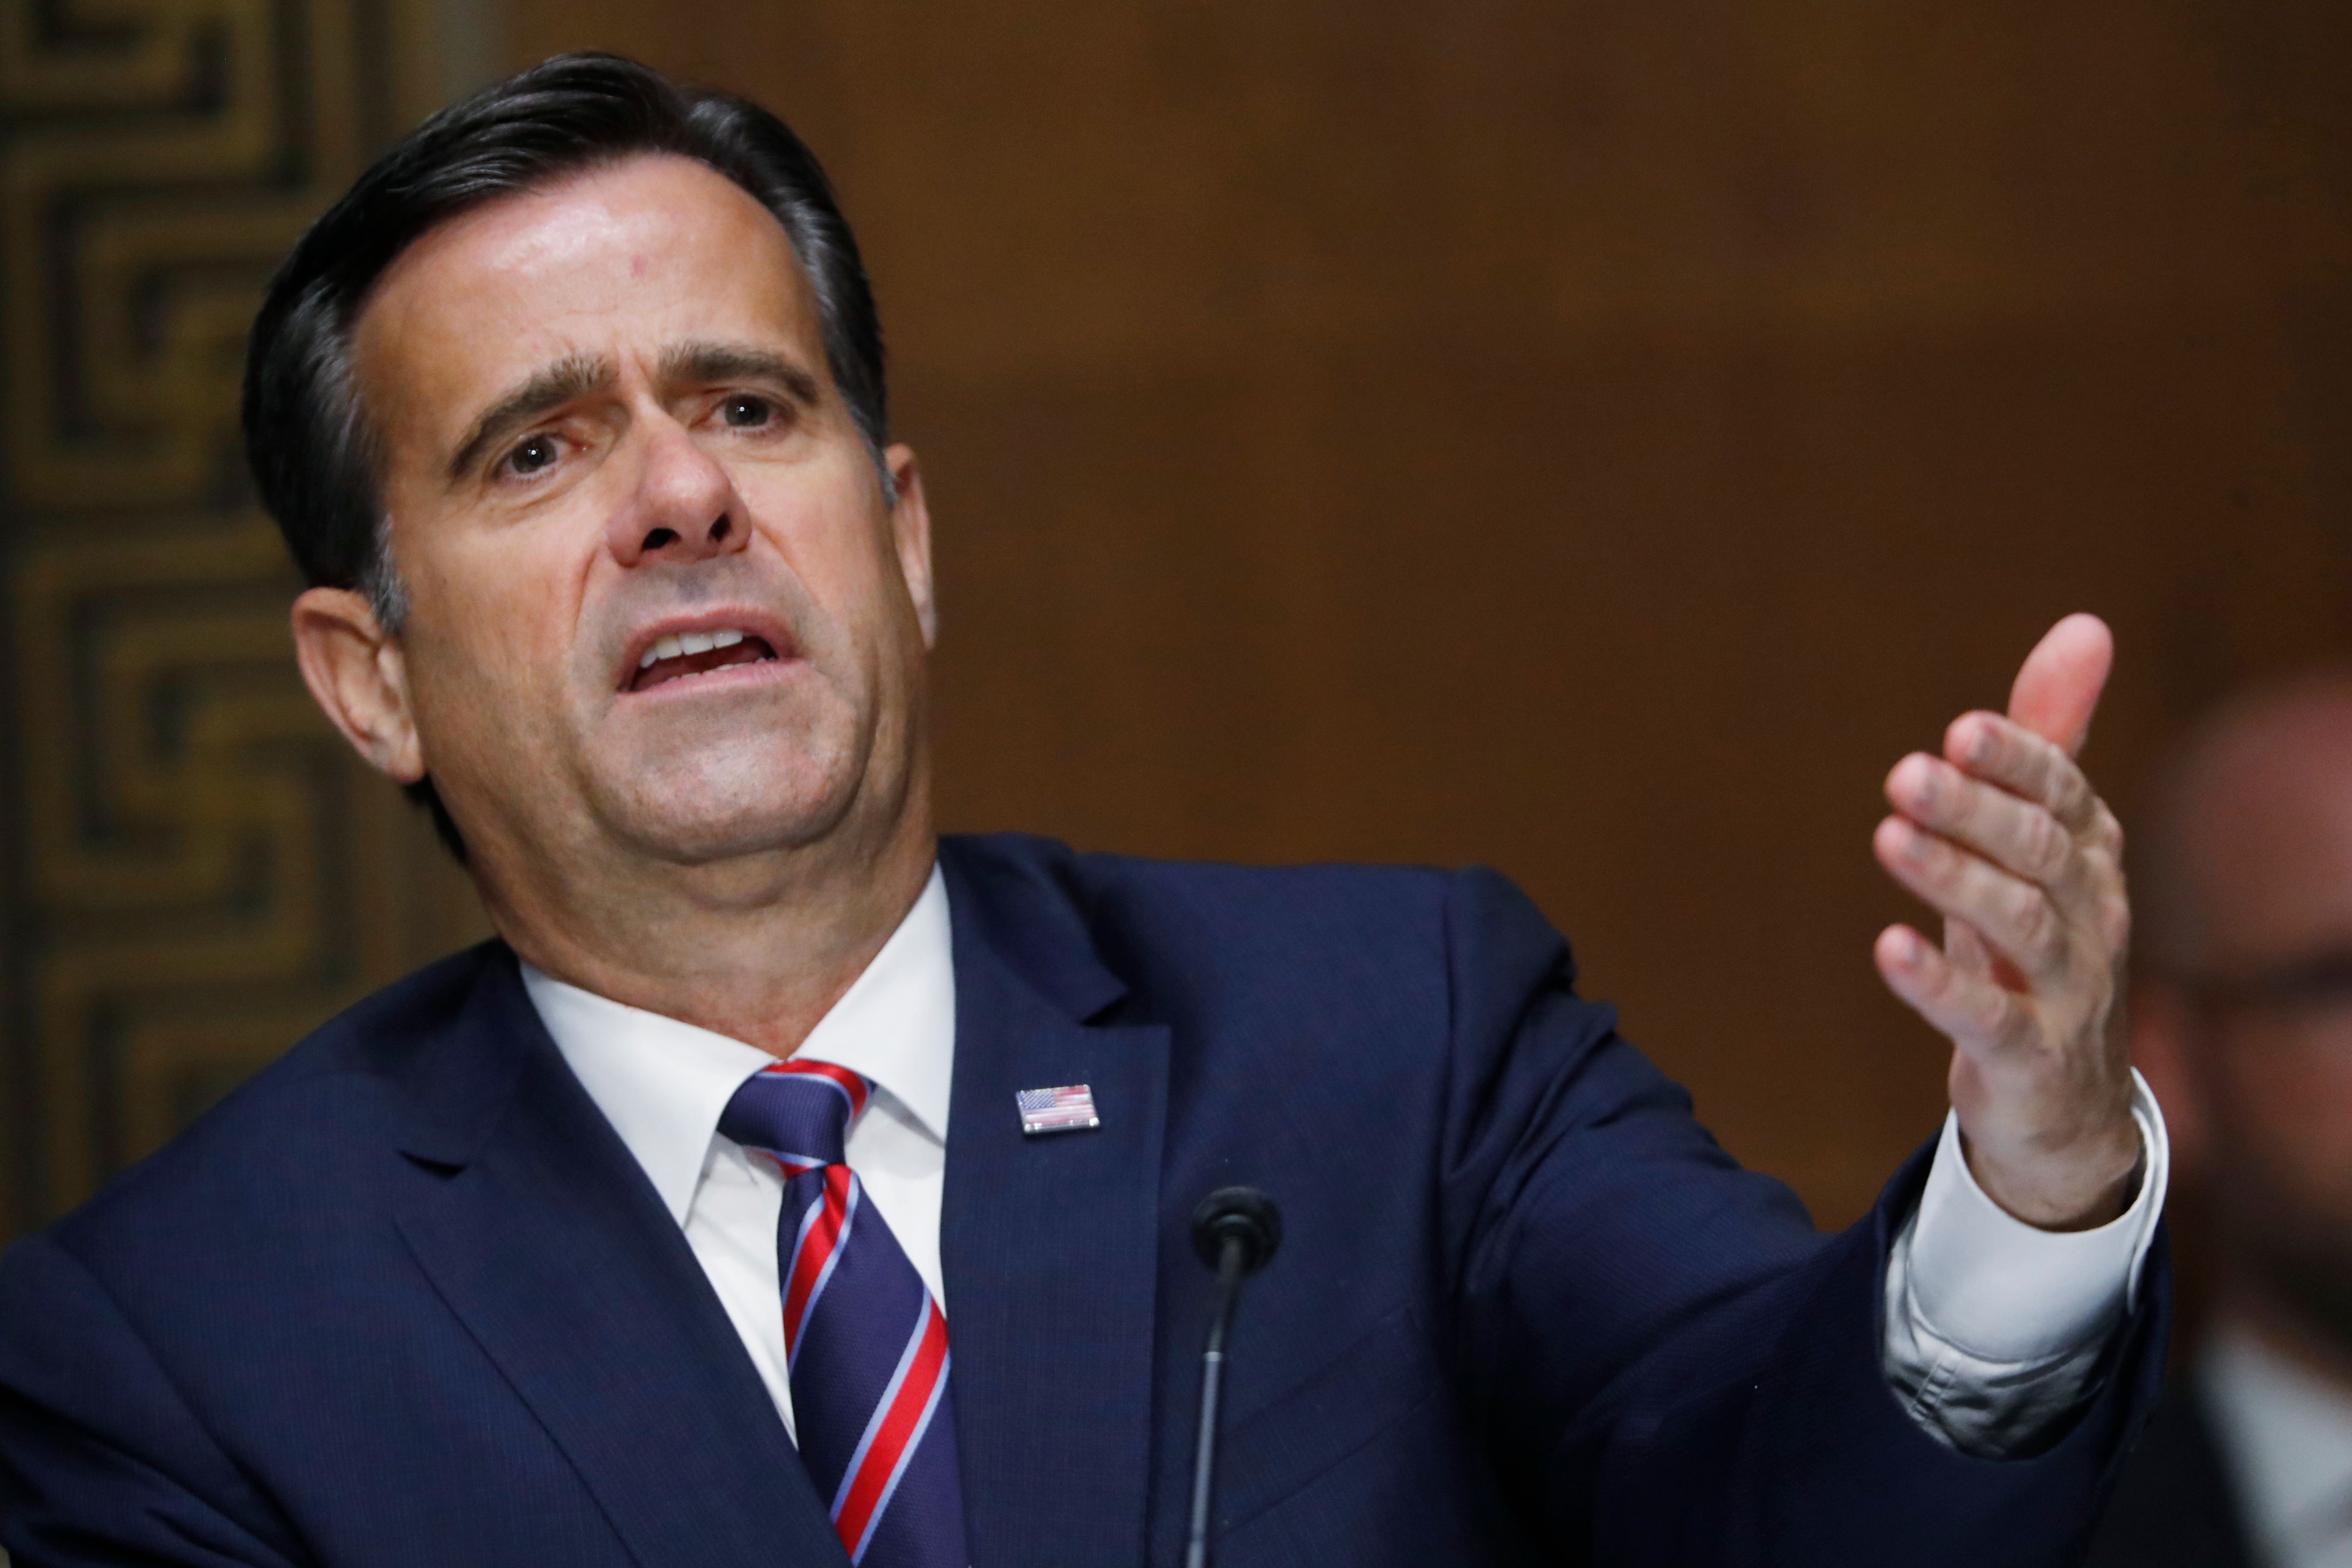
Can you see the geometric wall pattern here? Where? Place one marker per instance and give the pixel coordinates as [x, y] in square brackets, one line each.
[195, 870]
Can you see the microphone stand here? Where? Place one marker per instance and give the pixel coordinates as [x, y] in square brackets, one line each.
[1230, 1255]
[1234, 1231]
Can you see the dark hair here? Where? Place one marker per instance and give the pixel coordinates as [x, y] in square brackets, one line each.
[306, 436]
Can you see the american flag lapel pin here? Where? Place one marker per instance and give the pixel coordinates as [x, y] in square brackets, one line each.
[1069, 1109]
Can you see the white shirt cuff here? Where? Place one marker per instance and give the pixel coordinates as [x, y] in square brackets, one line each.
[2000, 1290]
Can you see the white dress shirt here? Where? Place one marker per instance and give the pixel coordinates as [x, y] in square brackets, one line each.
[663, 1084]
[2285, 1438]
[1993, 1327]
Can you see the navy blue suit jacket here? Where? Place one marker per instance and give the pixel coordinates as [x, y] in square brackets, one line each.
[405, 1299]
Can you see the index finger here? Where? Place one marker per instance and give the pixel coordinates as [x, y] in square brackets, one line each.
[2004, 752]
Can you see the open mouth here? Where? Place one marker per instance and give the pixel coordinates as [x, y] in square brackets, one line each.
[685, 654]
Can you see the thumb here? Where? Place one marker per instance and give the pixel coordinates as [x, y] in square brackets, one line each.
[2058, 686]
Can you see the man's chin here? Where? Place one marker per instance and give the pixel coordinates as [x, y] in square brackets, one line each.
[701, 820]
[712, 841]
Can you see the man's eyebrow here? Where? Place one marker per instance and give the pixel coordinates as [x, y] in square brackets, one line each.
[544, 390]
[708, 361]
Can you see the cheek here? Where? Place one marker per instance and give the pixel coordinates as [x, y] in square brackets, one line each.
[491, 641]
[840, 549]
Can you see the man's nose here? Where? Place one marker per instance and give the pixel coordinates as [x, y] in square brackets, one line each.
[685, 507]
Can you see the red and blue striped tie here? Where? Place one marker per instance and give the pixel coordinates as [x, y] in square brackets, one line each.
[866, 1345]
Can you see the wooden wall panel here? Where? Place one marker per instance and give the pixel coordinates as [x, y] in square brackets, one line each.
[1593, 439]
[196, 873]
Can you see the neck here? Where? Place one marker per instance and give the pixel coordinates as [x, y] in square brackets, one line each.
[758, 948]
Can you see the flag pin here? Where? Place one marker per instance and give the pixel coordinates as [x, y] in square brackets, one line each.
[1069, 1109]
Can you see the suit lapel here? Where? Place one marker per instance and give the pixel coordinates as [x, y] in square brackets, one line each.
[1049, 1244]
[545, 1238]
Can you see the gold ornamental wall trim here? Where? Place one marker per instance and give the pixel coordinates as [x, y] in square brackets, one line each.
[197, 871]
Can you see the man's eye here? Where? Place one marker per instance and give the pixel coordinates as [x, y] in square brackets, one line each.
[743, 410]
[532, 455]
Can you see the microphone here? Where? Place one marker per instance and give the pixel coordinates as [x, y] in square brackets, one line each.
[1235, 1231]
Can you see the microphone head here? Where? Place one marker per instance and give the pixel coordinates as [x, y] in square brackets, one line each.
[1242, 1214]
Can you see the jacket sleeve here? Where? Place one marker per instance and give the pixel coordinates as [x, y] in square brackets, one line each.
[1669, 1365]
[101, 1461]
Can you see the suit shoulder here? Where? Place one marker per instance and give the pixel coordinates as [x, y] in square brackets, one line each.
[1377, 924]
[295, 1118]
[1343, 891]
[375, 1038]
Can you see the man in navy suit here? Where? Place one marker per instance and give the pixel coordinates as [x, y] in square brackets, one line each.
[697, 1219]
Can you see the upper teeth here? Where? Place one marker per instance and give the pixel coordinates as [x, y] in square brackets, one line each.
[688, 642]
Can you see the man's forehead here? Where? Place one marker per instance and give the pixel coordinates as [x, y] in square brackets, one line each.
[651, 204]
[617, 262]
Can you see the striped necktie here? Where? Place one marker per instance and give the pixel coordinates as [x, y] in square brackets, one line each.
[865, 1347]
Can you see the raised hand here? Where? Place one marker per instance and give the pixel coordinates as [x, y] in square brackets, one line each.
[2004, 837]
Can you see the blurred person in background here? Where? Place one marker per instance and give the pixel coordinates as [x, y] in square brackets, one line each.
[2241, 1020]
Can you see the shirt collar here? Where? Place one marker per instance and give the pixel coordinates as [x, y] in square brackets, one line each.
[663, 1084]
[2289, 1436]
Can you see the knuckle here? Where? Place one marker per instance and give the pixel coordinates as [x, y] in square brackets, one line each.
[2070, 793]
[1950, 798]
[2027, 754]
[1934, 858]
[1994, 1017]
[2039, 936]
[2048, 845]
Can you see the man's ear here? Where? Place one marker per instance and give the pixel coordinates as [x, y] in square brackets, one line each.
[2164, 1028]
[910, 530]
[356, 671]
